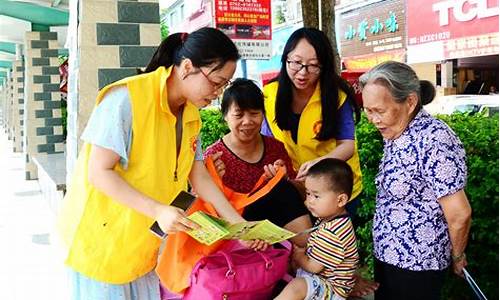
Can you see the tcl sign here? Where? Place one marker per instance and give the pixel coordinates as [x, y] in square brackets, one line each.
[463, 10]
[437, 20]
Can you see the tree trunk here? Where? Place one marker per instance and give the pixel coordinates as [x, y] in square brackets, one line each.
[310, 13]
[310, 18]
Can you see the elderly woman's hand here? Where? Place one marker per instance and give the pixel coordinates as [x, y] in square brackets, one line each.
[220, 167]
[457, 212]
[270, 170]
[459, 263]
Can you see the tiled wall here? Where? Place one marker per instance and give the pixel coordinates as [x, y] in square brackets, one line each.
[42, 103]
[114, 39]
[18, 104]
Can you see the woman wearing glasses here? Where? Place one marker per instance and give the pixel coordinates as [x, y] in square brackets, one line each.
[141, 148]
[311, 109]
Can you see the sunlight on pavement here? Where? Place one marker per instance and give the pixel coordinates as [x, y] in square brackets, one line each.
[31, 269]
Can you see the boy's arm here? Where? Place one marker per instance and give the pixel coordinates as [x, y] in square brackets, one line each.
[327, 254]
[303, 261]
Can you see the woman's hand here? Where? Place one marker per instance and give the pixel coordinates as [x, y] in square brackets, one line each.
[172, 219]
[459, 264]
[257, 245]
[270, 170]
[301, 174]
[220, 167]
[457, 212]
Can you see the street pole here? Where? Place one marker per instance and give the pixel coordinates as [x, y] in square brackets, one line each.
[244, 67]
[320, 20]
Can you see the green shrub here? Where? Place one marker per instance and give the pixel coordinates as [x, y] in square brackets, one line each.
[214, 126]
[370, 149]
[479, 136]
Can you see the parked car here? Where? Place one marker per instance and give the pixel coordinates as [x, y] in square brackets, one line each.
[486, 104]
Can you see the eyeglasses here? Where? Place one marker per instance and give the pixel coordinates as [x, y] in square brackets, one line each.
[215, 85]
[297, 66]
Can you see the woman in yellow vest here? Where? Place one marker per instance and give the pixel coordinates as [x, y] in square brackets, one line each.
[141, 147]
[311, 109]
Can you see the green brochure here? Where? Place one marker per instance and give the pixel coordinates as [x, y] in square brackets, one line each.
[214, 229]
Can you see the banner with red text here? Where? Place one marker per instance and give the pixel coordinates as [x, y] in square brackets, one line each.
[248, 24]
[448, 29]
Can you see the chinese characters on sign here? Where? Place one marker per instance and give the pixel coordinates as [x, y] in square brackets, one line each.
[248, 24]
[452, 29]
[391, 25]
[372, 34]
[472, 46]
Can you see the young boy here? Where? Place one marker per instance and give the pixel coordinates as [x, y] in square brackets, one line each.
[327, 265]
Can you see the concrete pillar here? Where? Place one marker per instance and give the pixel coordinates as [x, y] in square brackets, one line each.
[42, 102]
[18, 104]
[10, 100]
[3, 103]
[108, 41]
[447, 74]
[6, 103]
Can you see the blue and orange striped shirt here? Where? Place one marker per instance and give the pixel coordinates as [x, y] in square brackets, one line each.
[333, 245]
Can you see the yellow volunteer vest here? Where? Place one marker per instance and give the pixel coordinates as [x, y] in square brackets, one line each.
[307, 147]
[106, 240]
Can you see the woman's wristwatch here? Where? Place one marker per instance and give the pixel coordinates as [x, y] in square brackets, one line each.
[457, 258]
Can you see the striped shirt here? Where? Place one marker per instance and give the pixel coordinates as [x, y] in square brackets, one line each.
[333, 245]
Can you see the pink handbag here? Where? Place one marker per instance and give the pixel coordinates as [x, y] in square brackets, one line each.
[242, 274]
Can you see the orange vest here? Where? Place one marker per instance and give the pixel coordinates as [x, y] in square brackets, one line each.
[182, 252]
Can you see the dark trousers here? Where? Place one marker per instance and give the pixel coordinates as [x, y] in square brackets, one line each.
[401, 284]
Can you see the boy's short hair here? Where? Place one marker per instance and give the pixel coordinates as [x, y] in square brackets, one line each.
[245, 94]
[337, 173]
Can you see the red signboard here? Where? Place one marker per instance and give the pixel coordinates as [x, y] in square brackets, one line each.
[353, 79]
[248, 23]
[437, 20]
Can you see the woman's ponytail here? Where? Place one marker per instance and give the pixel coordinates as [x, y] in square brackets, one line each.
[166, 52]
[203, 47]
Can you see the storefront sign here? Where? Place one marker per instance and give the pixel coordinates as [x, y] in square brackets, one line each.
[363, 63]
[372, 34]
[452, 29]
[248, 24]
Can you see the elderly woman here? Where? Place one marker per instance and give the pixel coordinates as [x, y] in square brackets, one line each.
[422, 216]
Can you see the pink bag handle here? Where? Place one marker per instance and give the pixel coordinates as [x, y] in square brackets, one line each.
[269, 263]
[230, 272]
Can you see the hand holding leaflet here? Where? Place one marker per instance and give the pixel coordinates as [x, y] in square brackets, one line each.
[214, 229]
[183, 200]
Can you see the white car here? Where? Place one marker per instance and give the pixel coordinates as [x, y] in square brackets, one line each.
[486, 104]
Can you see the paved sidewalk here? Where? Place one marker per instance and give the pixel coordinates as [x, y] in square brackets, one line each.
[30, 265]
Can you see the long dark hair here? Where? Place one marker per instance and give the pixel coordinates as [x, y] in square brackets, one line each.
[203, 47]
[330, 83]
